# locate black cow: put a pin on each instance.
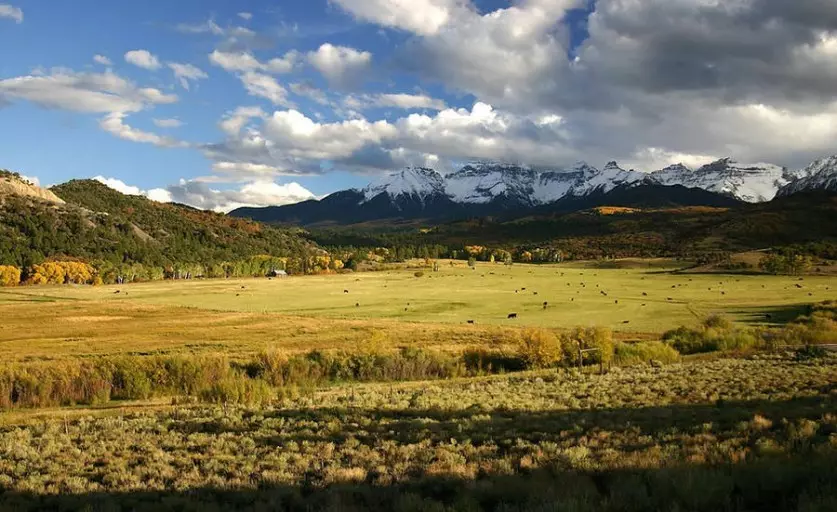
(512, 315)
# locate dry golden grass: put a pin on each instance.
(84, 329)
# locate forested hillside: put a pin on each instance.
(609, 232)
(120, 235)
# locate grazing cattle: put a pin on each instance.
(545, 305)
(516, 291)
(643, 305)
(798, 285)
(535, 293)
(723, 293)
(669, 298)
(471, 322)
(524, 289)
(345, 291)
(626, 321)
(117, 291)
(572, 299)
(512, 315)
(644, 294)
(242, 287)
(810, 294)
(238, 295)
(603, 293)
(405, 309)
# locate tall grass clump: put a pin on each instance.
(214, 379)
(632, 354)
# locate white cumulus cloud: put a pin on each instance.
(143, 59)
(114, 124)
(184, 73)
(420, 16)
(340, 65)
(101, 59)
(167, 123)
(11, 12)
(83, 92)
(245, 61)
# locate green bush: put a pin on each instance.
(586, 338)
(130, 380)
(809, 352)
(630, 354)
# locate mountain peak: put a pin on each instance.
(819, 175)
(749, 182)
(410, 181)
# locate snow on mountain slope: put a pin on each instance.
(482, 182)
(820, 175)
(749, 182)
(418, 182)
(609, 178)
(553, 185)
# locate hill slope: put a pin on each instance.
(87, 220)
(654, 231)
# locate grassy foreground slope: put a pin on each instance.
(758, 434)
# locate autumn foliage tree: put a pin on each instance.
(62, 272)
(9, 275)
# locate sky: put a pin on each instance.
(219, 104)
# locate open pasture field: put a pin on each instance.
(757, 434)
(638, 300)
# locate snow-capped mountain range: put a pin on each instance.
(484, 182)
(489, 188)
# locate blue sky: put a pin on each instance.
(219, 103)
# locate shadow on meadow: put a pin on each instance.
(775, 316)
(801, 483)
(505, 427)
(724, 456)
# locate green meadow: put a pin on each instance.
(635, 296)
